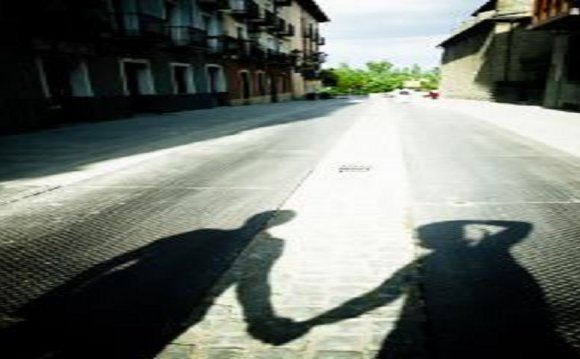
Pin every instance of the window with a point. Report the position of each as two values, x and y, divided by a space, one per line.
261 83
137 78
182 77
215 79
246 85
64 78
285 83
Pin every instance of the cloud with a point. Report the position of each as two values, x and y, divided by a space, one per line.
405 32
402 51
339 8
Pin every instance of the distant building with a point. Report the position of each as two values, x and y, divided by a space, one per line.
68 60
561 19
415 84
493 56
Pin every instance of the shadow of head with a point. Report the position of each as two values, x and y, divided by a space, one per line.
270 219
472 233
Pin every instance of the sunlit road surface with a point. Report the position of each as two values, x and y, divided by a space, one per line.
96 209
118 248
498 216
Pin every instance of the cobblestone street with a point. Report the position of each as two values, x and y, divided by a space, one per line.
352 228
333 278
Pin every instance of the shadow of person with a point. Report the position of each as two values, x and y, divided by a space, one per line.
133 305
480 303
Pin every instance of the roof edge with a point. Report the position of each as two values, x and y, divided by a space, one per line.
314 9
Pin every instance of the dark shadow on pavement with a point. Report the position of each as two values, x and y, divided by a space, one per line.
72 148
135 304
480 303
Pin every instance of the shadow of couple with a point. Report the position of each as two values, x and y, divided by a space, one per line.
480 302
478 299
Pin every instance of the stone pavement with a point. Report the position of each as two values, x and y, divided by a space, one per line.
555 128
44 161
333 274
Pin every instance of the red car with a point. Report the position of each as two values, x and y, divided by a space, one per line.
433 95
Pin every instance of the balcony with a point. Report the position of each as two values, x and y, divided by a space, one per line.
279 58
280 25
138 25
315 59
308 33
315 36
245 10
187 36
269 20
288 32
254 28
255 52
282 3
311 74
320 57
556 15
321 41
214 4
235 48
225 45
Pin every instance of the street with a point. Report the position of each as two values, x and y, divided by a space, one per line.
499 214
123 239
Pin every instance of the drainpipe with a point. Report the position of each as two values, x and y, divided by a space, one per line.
508 54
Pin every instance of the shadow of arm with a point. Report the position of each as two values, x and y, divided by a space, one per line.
390 290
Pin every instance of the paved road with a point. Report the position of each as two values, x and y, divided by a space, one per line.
108 260
97 247
499 217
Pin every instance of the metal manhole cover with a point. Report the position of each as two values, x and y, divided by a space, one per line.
353 168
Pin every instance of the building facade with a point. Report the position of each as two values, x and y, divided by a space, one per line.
69 61
561 20
493 56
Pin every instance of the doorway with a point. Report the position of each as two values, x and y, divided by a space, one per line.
246 86
137 78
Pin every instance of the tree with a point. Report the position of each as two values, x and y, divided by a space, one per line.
329 78
377 76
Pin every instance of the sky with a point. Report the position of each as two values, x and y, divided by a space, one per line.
404 32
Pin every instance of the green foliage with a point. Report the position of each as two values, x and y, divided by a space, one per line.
329 78
377 77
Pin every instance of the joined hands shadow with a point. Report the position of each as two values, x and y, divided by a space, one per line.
133 305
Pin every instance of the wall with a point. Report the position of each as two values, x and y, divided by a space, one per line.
510 6
462 72
561 92
501 61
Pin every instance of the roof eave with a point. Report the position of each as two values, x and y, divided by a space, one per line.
314 9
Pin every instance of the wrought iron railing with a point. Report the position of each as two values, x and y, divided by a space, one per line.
214 4
187 36
247 9
139 25
281 3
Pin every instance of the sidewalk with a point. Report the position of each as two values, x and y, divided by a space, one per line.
40 162
555 128
332 276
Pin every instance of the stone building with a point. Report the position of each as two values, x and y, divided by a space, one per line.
267 50
68 61
493 56
561 19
